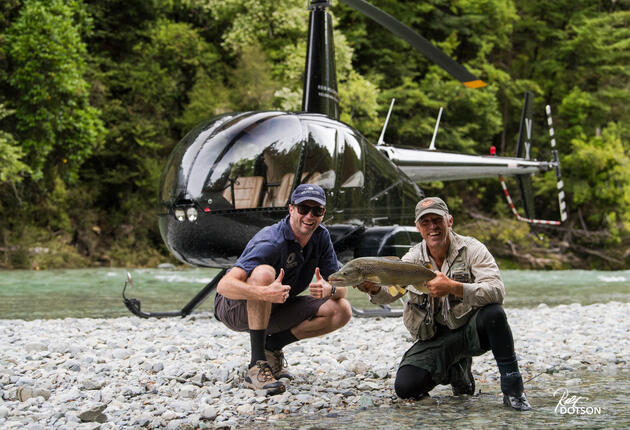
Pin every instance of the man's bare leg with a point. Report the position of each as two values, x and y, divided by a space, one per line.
330 316
259 374
258 313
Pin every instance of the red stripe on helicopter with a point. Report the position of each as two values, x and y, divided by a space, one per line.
517 215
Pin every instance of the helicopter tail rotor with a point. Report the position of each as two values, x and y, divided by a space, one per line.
524 182
421 44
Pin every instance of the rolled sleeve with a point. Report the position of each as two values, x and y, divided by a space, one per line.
383 297
488 286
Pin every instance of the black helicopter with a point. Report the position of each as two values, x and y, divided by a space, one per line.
233 174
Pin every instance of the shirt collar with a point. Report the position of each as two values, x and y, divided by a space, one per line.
456 246
287 232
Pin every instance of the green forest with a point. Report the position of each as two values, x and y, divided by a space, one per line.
94 95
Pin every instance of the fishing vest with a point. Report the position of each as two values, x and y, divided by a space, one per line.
422 312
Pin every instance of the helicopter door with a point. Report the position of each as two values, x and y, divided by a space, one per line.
350 165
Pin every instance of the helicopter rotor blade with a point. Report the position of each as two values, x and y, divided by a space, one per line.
421 44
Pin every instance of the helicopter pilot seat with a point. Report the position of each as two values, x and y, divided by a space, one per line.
355 180
246 192
326 180
277 196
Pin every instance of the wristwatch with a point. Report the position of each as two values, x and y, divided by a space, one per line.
333 290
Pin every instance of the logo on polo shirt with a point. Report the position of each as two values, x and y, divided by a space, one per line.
292 261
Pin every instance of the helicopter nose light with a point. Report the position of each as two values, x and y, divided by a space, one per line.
191 214
180 215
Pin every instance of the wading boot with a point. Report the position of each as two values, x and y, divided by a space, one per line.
278 364
260 377
461 378
513 392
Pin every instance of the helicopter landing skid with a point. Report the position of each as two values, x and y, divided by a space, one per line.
134 304
383 311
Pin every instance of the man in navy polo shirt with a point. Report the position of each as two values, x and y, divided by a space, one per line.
260 294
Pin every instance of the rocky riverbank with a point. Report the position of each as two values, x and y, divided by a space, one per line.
188 373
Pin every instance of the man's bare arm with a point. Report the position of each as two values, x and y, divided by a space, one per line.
234 286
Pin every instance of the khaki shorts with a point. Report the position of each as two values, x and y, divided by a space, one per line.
233 313
446 348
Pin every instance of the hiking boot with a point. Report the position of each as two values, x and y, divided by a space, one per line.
513 392
461 378
260 377
278 364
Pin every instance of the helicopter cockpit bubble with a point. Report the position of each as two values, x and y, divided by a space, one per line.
234 174
211 158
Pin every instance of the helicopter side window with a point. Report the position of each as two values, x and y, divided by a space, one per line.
246 192
281 160
384 188
319 157
352 168
278 194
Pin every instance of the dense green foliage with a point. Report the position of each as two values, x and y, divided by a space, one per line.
94 94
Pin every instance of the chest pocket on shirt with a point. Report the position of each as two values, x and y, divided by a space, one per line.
463 277
460 273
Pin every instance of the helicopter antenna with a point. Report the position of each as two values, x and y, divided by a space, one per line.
437 125
380 139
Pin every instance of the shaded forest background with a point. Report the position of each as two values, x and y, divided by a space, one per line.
94 95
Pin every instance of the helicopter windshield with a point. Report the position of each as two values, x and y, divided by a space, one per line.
255 160
258 166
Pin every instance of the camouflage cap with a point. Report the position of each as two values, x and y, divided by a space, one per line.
431 205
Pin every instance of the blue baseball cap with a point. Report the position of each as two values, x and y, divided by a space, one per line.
304 192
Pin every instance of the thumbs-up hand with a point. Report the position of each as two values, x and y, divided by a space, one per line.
320 288
276 292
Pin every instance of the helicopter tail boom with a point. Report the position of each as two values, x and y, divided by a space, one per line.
430 165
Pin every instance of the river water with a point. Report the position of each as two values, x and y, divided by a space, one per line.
96 293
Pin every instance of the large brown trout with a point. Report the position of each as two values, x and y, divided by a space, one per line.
388 271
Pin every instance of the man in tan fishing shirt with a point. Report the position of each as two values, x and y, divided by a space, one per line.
462 316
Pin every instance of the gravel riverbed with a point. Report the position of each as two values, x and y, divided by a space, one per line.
188 373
